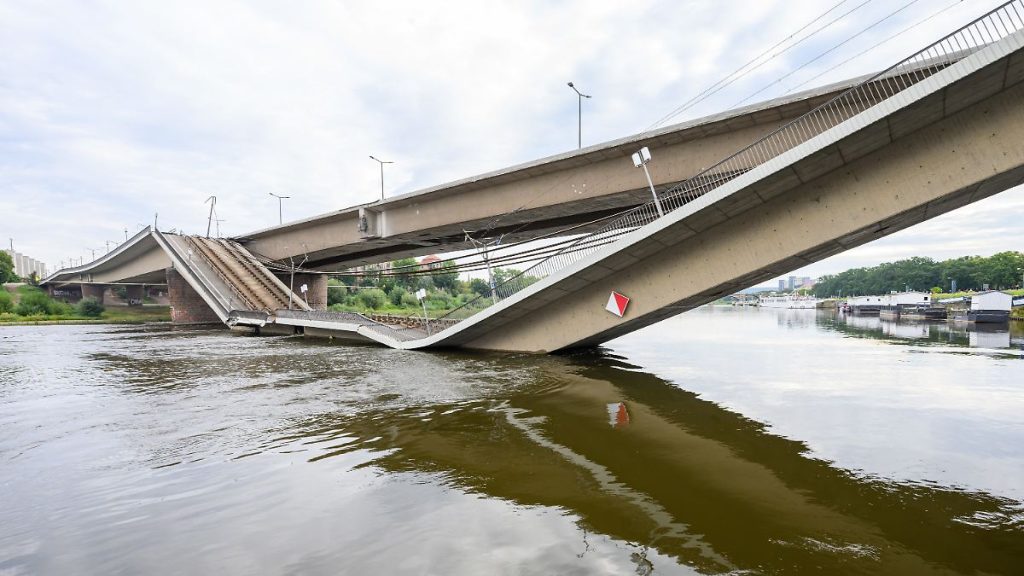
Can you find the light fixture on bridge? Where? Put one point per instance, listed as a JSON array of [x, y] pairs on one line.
[[640, 160], [280, 219], [579, 114], [382, 163]]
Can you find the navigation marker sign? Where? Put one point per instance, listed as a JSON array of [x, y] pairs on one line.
[[617, 304]]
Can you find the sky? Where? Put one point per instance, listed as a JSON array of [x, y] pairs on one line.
[[114, 112]]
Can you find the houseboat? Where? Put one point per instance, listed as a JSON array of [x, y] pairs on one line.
[[910, 306], [864, 305], [789, 302], [992, 307]]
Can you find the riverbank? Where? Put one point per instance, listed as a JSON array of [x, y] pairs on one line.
[[111, 315]]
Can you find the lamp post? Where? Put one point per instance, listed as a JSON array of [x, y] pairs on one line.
[[579, 114], [382, 163], [280, 219], [640, 160]]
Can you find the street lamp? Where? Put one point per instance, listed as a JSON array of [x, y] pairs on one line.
[[640, 160], [280, 219], [382, 163], [579, 114]]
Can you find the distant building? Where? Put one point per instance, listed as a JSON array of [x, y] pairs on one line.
[[25, 266], [431, 262], [792, 282], [782, 285]]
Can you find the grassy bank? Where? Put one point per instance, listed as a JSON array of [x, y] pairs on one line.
[[945, 295], [25, 304]]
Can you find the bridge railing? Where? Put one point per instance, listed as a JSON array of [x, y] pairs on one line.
[[997, 24]]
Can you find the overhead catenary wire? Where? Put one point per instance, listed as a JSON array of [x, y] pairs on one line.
[[872, 47], [272, 264], [827, 52], [736, 74]]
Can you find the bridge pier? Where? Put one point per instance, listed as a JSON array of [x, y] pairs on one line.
[[187, 306], [134, 294], [94, 291], [316, 284]]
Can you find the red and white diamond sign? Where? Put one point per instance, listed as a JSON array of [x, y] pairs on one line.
[[617, 304]]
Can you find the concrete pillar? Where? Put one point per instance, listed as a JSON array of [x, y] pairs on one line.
[[133, 294], [70, 293], [94, 291], [316, 284], [315, 294], [187, 306]]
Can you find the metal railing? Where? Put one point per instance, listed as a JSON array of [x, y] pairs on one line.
[[999, 23]]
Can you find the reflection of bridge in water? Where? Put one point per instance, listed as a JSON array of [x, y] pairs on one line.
[[673, 479]]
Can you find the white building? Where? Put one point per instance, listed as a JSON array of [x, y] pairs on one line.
[[25, 266]]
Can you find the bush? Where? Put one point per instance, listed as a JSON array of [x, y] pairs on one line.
[[373, 298], [397, 295], [6, 302], [336, 295], [409, 300], [90, 307], [439, 300], [36, 302]]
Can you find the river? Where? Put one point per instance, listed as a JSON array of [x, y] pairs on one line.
[[722, 441]]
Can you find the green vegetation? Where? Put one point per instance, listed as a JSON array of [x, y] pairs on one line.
[[90, 307], [7, 269], [1000, 271], [29, 304], [395, 294]]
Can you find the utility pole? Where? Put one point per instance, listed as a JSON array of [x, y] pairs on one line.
[[209, 220], [483, 248], [291, 281]]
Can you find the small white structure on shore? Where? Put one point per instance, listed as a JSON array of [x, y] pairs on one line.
[[991, 300]]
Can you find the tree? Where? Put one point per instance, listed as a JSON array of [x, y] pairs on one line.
[[968, 272], [479, 286], [446, 277], [7, 269]]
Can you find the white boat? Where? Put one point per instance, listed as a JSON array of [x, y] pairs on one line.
[[789, 302]]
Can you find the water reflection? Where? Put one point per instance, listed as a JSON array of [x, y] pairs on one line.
[[925, 332], [697, 483], [197, 452]]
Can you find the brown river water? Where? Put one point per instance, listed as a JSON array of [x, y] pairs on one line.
[[722, 441]]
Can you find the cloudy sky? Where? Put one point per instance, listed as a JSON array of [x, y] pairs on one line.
[[113, 111]]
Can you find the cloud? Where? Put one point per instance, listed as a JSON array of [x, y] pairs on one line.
[[112, 112]]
